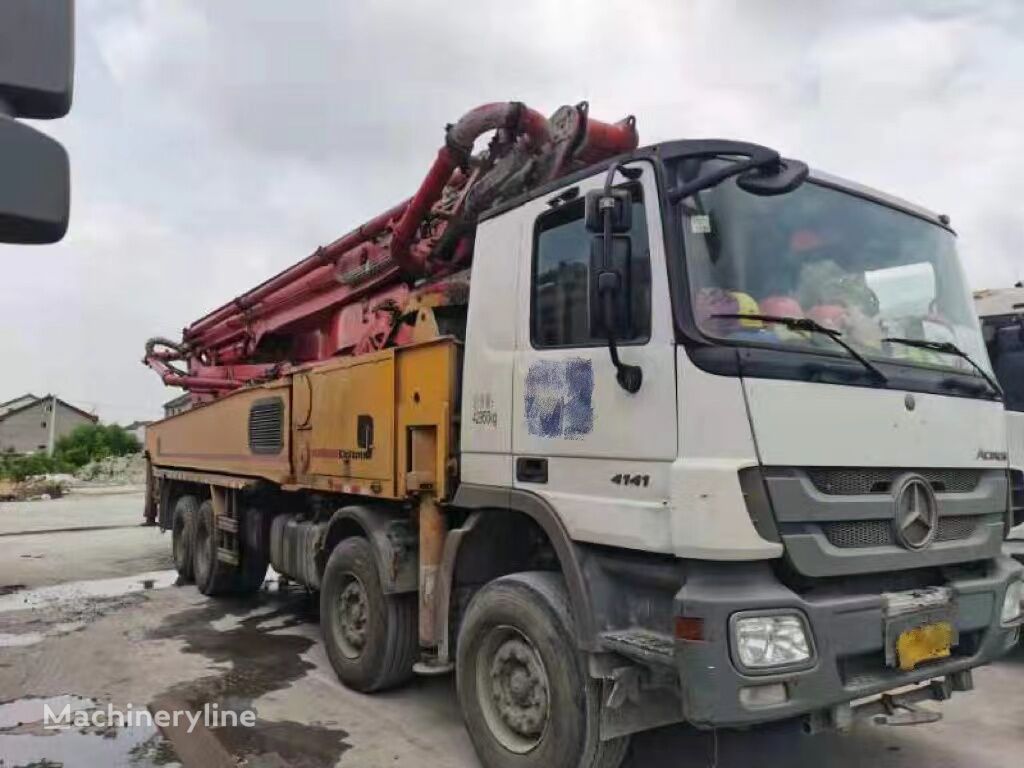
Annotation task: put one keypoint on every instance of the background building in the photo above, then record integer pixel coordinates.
(30, 424)
(138, 429)
(177, 405)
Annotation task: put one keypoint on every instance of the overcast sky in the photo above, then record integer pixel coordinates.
(215, 142)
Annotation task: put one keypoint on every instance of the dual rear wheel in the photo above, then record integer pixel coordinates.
(194, 543)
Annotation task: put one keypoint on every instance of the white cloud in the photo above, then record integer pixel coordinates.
(214, 143)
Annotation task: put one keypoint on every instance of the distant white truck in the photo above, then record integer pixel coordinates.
(1002, 322)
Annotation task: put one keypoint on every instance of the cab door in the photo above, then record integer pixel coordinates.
(597, 453)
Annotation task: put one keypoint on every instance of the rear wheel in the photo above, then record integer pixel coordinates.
(524, 690)
(371, 637)
(213, 576)
(255, 552)
(182, 535)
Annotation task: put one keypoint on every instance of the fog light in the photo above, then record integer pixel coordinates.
(771, 641)
(1011, 601)
(763, 695)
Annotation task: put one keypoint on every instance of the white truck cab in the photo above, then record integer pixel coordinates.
(803, 502)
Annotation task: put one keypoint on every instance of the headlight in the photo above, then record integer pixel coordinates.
(1012, 601)
(771, 641)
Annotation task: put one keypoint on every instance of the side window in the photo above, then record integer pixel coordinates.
(559, 284)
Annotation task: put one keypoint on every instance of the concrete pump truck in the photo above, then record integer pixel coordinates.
(1001, 311)
(623, 436)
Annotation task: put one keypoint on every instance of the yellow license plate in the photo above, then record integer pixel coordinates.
(932, 641)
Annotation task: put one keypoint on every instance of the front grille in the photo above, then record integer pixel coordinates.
(956, 527)
(860, 533)
(857, 534)
(1017, 496)
(856, 481)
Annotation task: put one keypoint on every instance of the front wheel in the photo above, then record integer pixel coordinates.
(371, 637)
(524, 690)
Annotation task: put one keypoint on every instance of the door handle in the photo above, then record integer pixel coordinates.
(531, 470)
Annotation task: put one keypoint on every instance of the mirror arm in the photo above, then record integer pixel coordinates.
(712, 179)
(630, 377)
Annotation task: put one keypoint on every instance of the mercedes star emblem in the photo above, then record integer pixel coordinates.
(917, 512)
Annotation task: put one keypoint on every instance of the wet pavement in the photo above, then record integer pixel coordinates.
(245, 637)
(137, 639)
(25, 739)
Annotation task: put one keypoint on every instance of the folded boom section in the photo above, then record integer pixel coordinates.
(402, 275)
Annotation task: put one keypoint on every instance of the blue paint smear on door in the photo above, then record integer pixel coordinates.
(559, 398)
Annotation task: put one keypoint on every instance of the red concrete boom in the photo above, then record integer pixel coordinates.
(361, 292)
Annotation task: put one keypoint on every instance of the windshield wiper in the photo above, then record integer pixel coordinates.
(812, 326)
(950, 349)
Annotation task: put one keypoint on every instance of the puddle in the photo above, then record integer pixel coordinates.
(51, 629)
(24, 741)
(84, 590)
(245, 635)
(130, 747)
(15, 641)
(32, 709)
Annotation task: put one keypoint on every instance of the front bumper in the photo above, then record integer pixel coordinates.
(846, 624)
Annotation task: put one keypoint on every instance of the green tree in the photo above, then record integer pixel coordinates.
(91, 442)
(18, 468)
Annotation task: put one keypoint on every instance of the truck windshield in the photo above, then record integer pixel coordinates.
(865, 269)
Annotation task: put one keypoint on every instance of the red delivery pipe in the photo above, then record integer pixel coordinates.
(195, 383)
(321, 256)
(602, 140)
(511, 115)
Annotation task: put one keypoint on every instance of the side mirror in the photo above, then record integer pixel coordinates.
(619, 201)
(610, 287)
(36, 57)
(783, 177)
(610, 212)
(36, 64)
(35, 186)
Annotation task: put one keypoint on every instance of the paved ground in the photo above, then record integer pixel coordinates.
(127, 635)
(81, 536)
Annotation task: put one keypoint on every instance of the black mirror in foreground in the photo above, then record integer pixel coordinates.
(36, 81)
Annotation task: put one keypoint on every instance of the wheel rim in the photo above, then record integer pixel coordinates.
(351, 615)
(512, 689)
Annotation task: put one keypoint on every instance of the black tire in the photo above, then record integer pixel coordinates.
(182, 534)
(255, 552)
(213, 576)
(524, 690)
(371, 638)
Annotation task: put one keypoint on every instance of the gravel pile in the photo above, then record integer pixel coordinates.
(116, 470)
